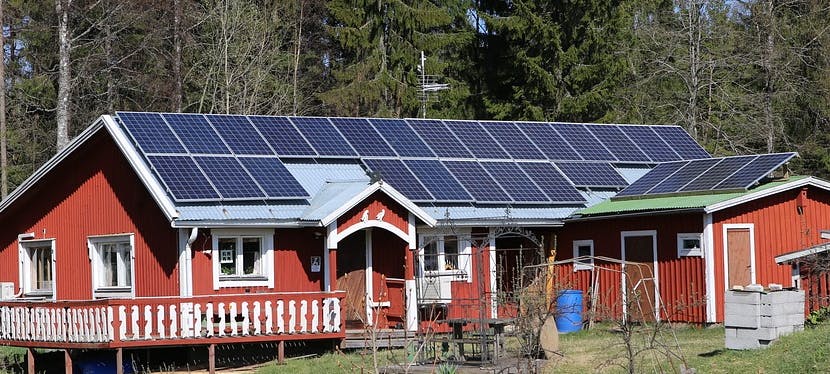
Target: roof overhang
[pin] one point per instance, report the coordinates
(794, 256)
(389, 191)
(809, 181)
(633, 214)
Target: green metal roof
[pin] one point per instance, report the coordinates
(674, 202)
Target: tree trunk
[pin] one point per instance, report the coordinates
(110, 61)
(4, 162)
(769, 83)
(64, 79)
(177, 55)
(297, 56)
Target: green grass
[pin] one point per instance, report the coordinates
(352, 362)
(10, 354)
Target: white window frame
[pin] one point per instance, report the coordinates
(97, 266)
(266, 237)
(681, 252)
(24, 248)
(464, 254)
(583, 265)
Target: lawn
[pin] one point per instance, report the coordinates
(9, 356)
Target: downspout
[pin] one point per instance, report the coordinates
(194, 233)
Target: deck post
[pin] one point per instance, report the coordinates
(212, 358)
(67, 361)
(119, 361)
(281, 352)
(30, 361)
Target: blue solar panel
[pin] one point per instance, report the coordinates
(282, 136)
(648, 141)
(150, 132)
(476, 180)
(680, 141)
(274, 178)
(478, 141)
(652, 178)
(363, 137)
(755, 171)
(323, 136)
(588, 146)
(196, 133)
(620, 146)
(439, 138)
(552, 182)
(548, 141)
(513, 141)
(398, 176)
(438, 180)
(401, 137)
(229, 178)
(183, 179)
(592, 174)
(239, 135)
(683, 176)
(718, 173)
(515, 182)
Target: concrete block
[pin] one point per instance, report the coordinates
(742, 297)
(775, 321)
(740, 343)
(731, 332)
(744, 320)
(799, 327)
(783, 308)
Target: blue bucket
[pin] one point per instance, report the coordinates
(569, 311)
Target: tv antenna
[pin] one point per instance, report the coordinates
(429, 85)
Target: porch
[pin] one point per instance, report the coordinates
(167, 321)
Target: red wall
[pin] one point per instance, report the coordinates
(395, 214)
(93, 192)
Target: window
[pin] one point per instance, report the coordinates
(243, 258)
(584, 248)
(37, 267)
(446, 254)
(688, 244)
(112, 265)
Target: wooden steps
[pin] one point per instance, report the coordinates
(385, 338)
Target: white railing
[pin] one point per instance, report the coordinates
(116, 321)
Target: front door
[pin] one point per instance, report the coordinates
(640, 278)
(739, 257)
(351, 277)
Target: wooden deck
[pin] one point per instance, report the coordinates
(385, 338)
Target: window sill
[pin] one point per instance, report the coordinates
(113, 293)
(580, 267)
(226, 281)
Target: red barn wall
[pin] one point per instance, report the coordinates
(681, 280)
(92, 192)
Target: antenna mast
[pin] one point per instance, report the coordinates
(428, 85)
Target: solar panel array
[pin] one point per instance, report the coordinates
(713, 174)
(227, 157)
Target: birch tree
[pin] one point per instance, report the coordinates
(62, 113)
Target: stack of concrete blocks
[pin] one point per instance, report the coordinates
(754, 319)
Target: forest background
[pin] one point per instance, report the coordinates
(742, 76)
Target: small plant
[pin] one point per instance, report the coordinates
(447, 368)
(817, 316)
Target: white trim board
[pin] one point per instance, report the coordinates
(653, 235)
(709, 258)
(726, 227)
(389, 191)
(809, 181)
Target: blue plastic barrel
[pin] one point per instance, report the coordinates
(569, 311)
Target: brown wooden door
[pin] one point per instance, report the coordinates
(738, 253)
(639, 275)
(351, 277)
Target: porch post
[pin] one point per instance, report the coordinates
(212, 358)
(331, 257)
(281, 352)
(409, 277)
(30, 360)
(119, 361)
(67, 361)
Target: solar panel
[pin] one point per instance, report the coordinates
(229, 178)
(196, 133)
(398, 176)
(150, 133)
(439, 138)
(652, 178)
(680, 141)
(513, 141)
(438, 180)
(648, 141)
(401, 137)
(363, 137)
(683, 176)
(755, 170)
(588, 146)
(552, 182)
(478, 141)
(282, 136)
(592, 174)
(239, 135)
(274, 178)
(548, 141)
(323, 136)
(620, 146)
(182, 178)
(476, 180)
(514, 181)
(718, 173)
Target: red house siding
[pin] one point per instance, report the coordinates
(394, 214)
(93, 192)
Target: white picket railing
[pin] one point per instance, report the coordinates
(160, 319)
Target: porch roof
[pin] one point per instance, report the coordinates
(807, 252)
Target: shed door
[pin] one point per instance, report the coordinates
(738, 253)
(640, 280)
(351, 277)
